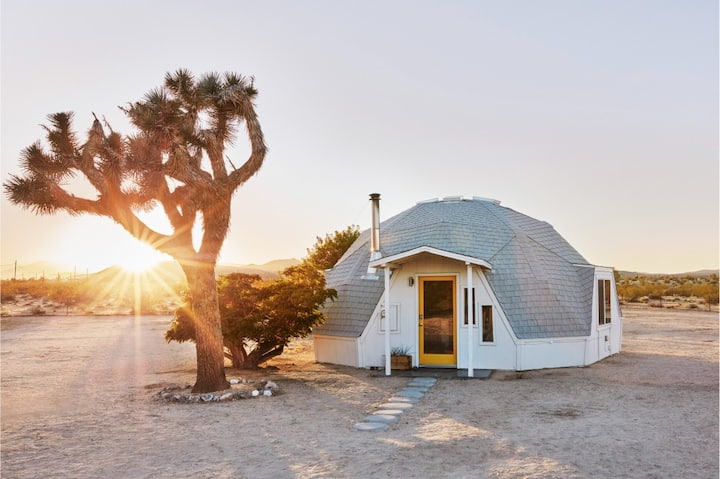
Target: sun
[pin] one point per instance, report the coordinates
(139, 258)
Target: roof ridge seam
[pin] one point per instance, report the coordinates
(553, 252)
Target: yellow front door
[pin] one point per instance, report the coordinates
(437, 321)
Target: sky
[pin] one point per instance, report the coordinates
(599, 117)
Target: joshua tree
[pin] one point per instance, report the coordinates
(176, 161)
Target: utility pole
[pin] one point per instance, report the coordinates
(15, 272)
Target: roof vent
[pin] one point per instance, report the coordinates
(457, 198)
(488, 200)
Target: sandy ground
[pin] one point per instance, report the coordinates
(79, 400)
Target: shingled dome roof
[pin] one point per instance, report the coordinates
(543, 284)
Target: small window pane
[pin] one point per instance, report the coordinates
(487, 324)
(600, 302)
(465, 302)
(608, 309)
(603, 303)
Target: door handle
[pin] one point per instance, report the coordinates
(420, 320)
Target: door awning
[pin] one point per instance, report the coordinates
(405, 256)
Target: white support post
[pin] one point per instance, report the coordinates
(386, 273)
(471, 315)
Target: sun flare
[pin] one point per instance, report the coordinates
(140, 258)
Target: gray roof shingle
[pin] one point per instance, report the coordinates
(542, 283)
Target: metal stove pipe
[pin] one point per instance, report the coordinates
(375, 228)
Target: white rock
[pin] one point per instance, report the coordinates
(267, 392)
(271, 385)
(234, 381)
(226, 397)
(255, 393)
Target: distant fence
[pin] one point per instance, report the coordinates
(21, 271)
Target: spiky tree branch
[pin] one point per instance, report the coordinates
(181, 127)
(179, 124)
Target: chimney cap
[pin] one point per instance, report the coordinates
(374, 196)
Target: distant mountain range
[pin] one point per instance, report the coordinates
(170, 269)
(273, 267)
(167, 269)
(703, 273)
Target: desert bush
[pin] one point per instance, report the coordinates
(259, 318)
(642, 288)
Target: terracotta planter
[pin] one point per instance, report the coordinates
(401, 363)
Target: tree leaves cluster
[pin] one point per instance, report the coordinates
(260, 318)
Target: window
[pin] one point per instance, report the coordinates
(487, 318)
(465, 301)
(604, 310)
(487, 324)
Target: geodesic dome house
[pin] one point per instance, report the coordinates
(468, 284)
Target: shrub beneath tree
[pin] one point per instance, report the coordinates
(259, 318)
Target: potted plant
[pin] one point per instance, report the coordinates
(400, 358)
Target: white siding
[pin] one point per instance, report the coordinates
(500, 354)
(372, 341)
(506, 352)
(551, 353)
(336, 350)
(605, 340)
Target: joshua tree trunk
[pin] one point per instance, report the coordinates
(208, 328)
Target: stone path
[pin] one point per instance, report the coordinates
(390, 412)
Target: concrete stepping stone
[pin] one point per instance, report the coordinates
(423, 381)
(428, 379)
(403, 399)
(395, 405)
(410, 393)
(416, 387)
(384, 418)
(371, 426)
(389, 412)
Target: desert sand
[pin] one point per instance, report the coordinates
(80, 400)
